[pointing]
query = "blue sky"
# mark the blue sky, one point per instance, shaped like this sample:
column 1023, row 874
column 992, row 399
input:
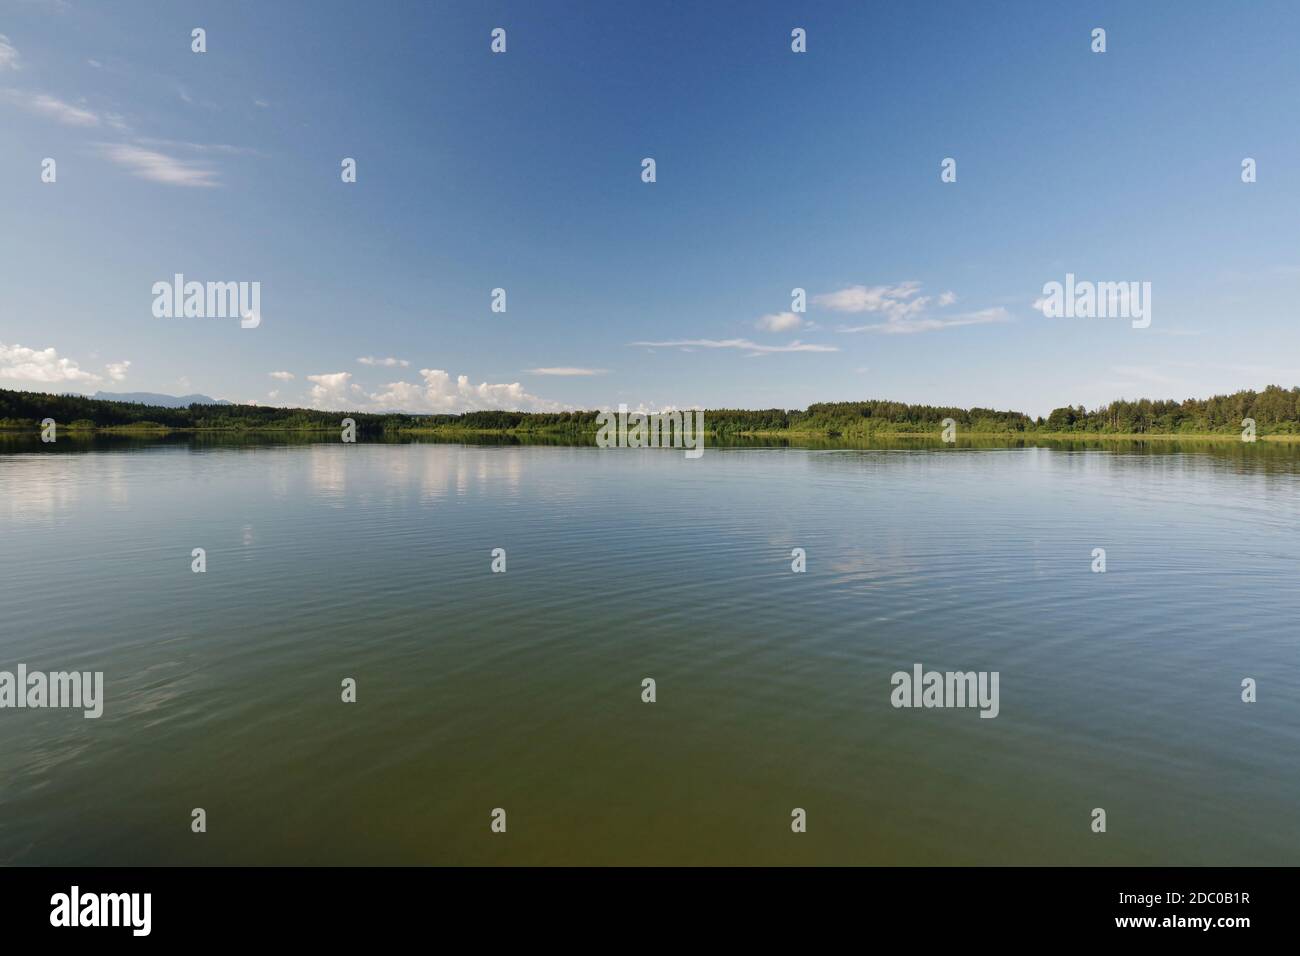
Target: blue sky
column 775, row 170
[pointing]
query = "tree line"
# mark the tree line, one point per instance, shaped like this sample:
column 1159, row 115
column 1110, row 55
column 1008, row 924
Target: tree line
column 1275, row 410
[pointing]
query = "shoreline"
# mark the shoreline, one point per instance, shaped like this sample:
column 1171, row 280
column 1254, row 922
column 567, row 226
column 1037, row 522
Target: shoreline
column 820, row 435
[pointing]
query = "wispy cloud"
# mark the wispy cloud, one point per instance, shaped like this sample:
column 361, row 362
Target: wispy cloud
column 117, row 370
column 147, row 158
column 159, row 167
column 744, row 345
column 220, row 148
column 904, row 309
column 568, row 370
column 909, row 325
column 8, row 54
column 283, row 376
column 383, row 362
column 43, row 104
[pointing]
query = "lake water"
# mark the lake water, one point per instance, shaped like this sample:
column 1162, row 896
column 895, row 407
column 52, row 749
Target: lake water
column 522, row 691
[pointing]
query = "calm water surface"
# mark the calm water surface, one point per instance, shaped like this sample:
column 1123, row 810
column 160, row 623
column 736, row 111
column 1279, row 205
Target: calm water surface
column 522, row 690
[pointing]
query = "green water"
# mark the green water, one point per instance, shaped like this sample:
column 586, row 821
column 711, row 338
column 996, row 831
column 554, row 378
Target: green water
column 522, row 690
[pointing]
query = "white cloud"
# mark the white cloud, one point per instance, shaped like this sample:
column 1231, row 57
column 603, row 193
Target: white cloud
column 53, row 107
column 384, row 362
column 330, row 390
column 861, row 298
column 779, row 322
column 117, row 370
column 437, row 393
column 908, row 325
column 283, row 376
column 8, row 55
column 745, row 345
column 440, row 394
column 567, row 370
column 158, row 167
column 22, row 364
column 95, row 63
column 905, row 311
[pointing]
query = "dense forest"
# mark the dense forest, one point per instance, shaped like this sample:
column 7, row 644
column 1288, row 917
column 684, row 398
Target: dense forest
column 25, row 410
column 1276, row 410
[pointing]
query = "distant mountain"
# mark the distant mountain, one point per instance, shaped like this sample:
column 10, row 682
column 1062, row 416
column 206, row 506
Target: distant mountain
column 161, row 401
